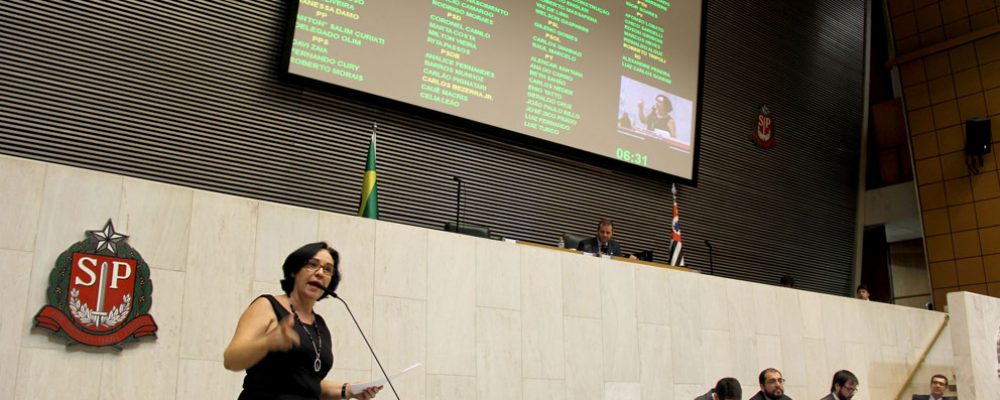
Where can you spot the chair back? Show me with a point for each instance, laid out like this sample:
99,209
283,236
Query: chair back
469,229
572,240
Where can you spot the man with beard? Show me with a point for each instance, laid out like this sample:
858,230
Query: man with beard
844,386
725,389
939,383
772,386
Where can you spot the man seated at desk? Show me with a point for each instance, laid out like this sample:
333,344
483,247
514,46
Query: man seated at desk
939,383
603,244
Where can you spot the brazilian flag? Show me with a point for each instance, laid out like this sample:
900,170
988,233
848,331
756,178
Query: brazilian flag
369,189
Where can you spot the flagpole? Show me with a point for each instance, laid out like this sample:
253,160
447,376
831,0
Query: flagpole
676,242
369,187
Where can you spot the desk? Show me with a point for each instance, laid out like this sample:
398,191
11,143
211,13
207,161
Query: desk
616,258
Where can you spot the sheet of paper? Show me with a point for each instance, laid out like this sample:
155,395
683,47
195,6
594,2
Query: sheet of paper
359,387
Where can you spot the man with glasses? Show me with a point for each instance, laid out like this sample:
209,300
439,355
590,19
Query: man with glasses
844,386
772,386
939,383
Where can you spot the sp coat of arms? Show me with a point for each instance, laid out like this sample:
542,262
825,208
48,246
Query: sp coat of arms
762,134
99,292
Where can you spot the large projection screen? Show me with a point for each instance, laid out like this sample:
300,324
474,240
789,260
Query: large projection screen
619,79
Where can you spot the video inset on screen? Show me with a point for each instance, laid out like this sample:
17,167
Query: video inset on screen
648,112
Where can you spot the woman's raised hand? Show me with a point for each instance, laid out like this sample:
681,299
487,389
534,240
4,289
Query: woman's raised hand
284,336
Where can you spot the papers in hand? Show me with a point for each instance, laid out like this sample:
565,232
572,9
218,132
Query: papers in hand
359,387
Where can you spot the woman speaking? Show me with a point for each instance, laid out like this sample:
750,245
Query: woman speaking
283,345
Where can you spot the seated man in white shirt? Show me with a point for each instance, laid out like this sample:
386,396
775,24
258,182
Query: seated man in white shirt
939,384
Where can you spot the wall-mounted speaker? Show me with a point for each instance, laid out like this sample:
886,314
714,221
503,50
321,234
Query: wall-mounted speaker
978,136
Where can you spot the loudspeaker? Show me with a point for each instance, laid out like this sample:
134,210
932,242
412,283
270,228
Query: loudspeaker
978,136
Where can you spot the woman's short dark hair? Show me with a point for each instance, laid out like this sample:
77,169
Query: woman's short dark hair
298,259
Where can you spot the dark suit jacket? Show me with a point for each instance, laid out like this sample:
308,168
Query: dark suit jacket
593,246
927,397
828,397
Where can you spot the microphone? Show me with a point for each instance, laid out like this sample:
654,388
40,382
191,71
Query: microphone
711,261
458,201
334,295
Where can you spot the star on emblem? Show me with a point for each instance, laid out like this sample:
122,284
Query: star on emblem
107,238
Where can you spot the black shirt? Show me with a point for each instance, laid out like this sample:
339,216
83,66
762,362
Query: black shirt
289,375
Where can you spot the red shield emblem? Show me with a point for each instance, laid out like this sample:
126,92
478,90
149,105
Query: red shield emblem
762,135
99,292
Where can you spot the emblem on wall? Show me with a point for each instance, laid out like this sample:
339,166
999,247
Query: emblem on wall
99,293
762,135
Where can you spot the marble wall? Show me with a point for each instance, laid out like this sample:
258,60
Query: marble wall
976,331
488,319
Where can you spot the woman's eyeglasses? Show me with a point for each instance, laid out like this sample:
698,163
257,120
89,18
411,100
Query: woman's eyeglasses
315,264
